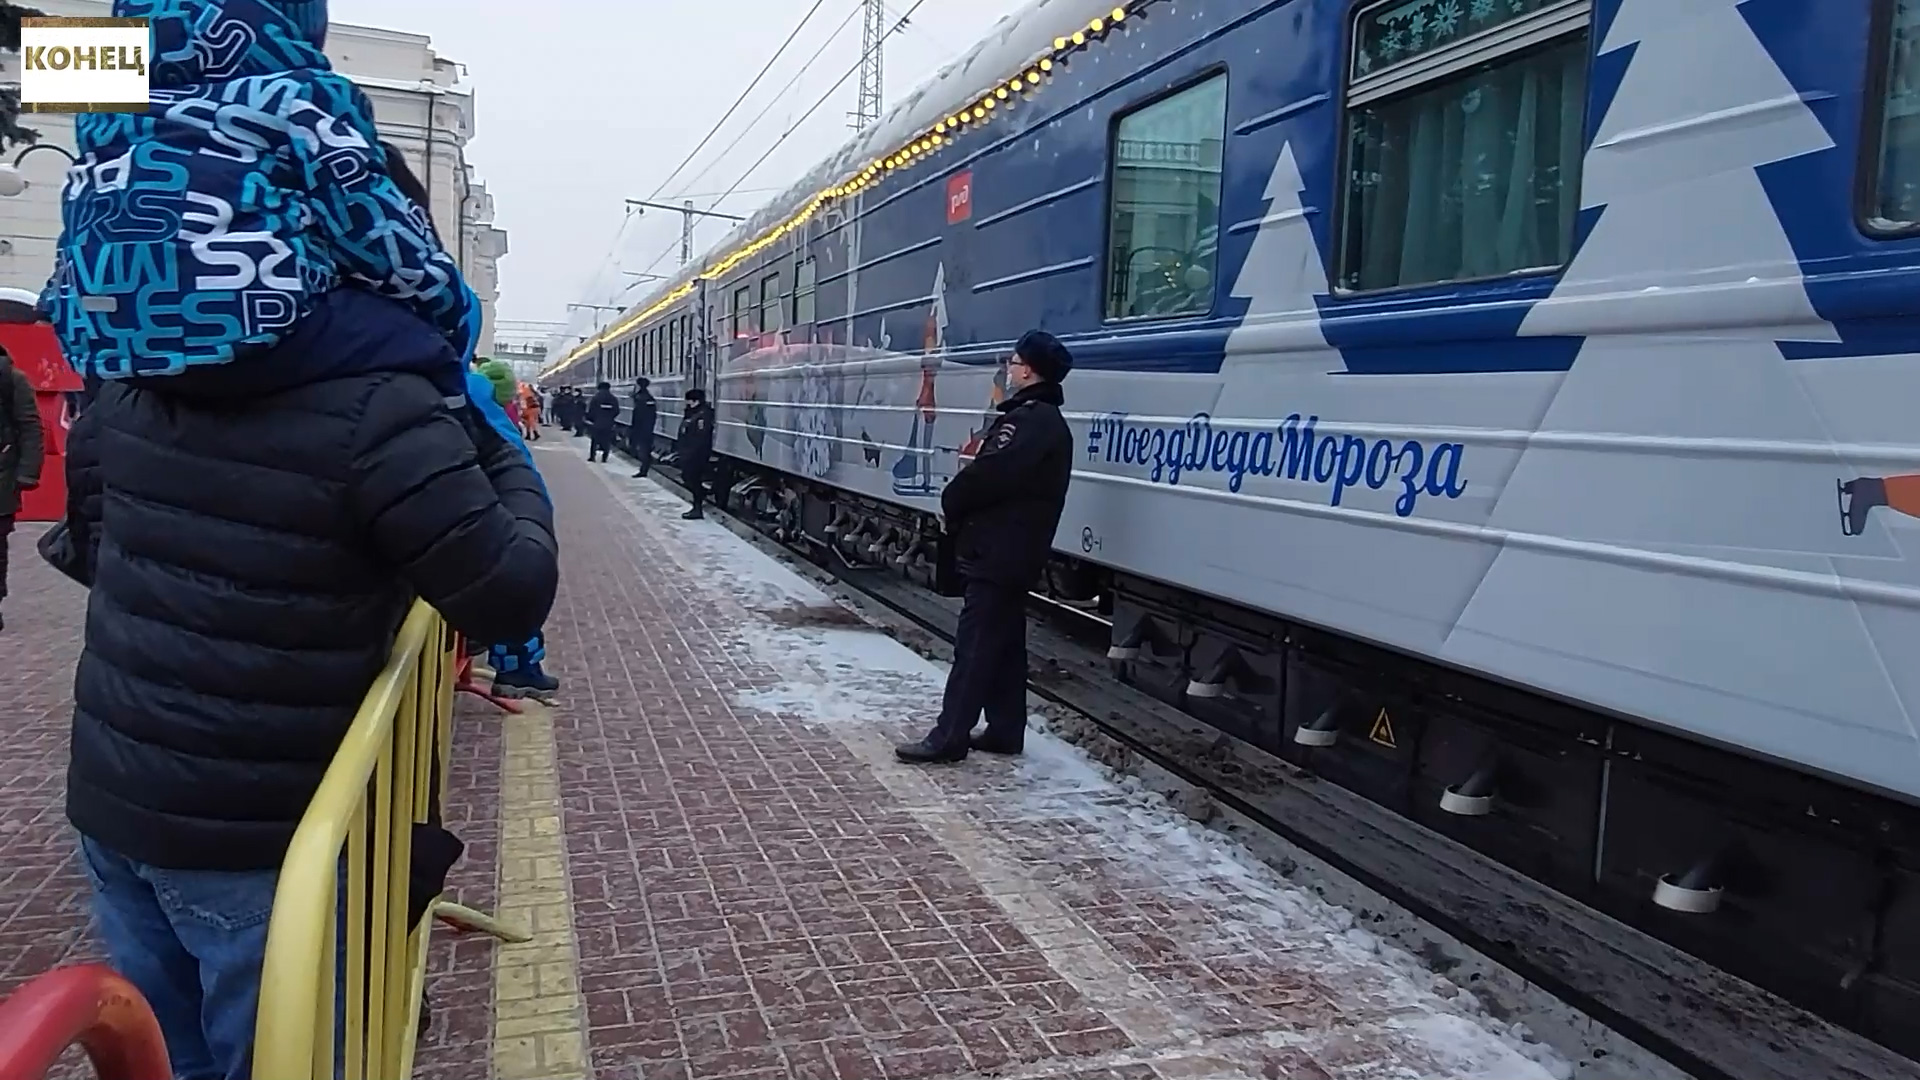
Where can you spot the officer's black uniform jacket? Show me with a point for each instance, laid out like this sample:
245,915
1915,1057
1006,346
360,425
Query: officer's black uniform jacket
1004,506
602,412
695,441
646,413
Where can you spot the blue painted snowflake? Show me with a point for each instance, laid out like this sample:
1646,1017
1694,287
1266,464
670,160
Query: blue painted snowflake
1482,10
1446,18
1391,44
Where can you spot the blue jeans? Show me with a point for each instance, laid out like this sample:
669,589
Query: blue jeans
192,941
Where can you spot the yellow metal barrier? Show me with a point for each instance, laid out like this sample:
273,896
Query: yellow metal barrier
358,833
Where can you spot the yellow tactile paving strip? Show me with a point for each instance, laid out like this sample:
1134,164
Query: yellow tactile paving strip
538,1015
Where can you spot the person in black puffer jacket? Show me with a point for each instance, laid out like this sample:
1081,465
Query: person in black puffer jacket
261,536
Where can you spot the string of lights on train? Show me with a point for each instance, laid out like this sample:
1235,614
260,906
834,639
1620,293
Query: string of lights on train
944,133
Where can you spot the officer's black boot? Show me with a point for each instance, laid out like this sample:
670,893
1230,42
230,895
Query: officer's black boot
932,750
1008,742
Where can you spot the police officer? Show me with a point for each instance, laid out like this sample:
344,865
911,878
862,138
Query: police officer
646,413
603,412
1002,509
693,447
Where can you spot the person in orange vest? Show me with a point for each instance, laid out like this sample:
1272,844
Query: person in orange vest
529,412
22,446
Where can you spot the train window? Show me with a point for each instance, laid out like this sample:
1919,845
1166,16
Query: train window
770,303
1894,189
1163,227
743,311
803,292
1464,125
675,347
687,338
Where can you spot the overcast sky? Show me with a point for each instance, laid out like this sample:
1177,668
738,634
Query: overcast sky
583,103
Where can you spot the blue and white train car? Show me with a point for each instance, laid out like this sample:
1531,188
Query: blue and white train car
1503,408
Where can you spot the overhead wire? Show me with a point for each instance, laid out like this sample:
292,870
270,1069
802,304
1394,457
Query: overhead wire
777,98
824,98
753,124
711,194
804,117
614,248
741,100
599,275
901,18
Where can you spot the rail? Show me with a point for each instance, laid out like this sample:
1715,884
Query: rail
88,1006
345,966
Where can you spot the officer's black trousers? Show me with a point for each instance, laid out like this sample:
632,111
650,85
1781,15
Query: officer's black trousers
989,665
694,475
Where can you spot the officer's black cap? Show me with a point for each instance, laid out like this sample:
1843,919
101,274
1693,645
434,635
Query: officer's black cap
1044,353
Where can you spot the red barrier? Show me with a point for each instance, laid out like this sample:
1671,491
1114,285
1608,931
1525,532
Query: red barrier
89,1006
36,352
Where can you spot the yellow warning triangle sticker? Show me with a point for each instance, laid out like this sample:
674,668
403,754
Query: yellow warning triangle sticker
1382,732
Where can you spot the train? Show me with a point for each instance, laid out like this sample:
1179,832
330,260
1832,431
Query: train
1492,407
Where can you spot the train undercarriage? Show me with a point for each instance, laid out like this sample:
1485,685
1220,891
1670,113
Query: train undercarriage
1800,886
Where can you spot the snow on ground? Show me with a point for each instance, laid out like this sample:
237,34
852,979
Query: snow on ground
864,684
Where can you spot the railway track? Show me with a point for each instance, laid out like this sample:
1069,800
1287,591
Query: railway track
1704,1022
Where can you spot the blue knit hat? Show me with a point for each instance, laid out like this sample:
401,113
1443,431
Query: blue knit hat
1044,353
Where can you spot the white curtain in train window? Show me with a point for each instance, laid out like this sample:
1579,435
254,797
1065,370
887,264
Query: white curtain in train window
1897,192
1470,177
